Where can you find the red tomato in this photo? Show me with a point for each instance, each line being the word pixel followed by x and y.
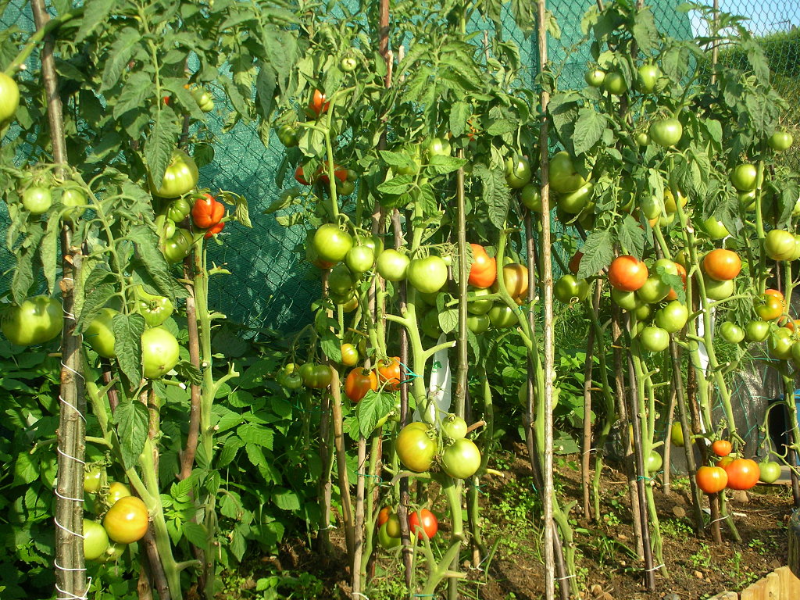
pixel 424 523
pixel 319 103
pixel 711 479
pixel 358 382
pixel 627 273
pixel 722 264
pixel 384 515
pixel 214 230
pixel 207 212
pixel 722 447
pixel 743 473
pixel 389 371
pixel 483 272
pixel 575 262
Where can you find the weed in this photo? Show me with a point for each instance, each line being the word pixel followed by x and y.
pixel 702 558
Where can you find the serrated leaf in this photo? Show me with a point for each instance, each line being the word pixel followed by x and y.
pixel 496 194
pixel 588 130
pixel 95 12
pixel 631 237
pixel 133 421
pixel 446 164
pixel 146 242
pixel 23 277
pixel 137 89
pixel 372 408
pixel 397 185
pixel 119 55
pixel 96 298
pixel 286 499
pixel 644 30
pixel 331 346
pixel 195 533
pixel 598 252
pixel 48 252
pixel 459 113
pixel 252 433
pixel 128 330
pixel 159 146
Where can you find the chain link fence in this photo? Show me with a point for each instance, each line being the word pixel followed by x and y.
pixel 271 286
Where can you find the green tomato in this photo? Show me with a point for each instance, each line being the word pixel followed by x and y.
pixel 478 324
pixel 392 265
pixel 653 290
pixel 359 259
pixel 37 320
pixel 205 101
pixel 654 462
pixel 769 471
pixel 715 228
pixel 154 309
pixel 646 78
pixel 626 300
pixel 743 177
pixel 428 274
pixel 595 77
pixel 176 248
pixel 564 179
pixel 95 540
pixel 719 290
pixel 518 172
pixel 503 317
pixel 430 324
pixel 651 206
pixel 461 459
pixel 672 317
pixel 288 135
pixel 654 339
pixel 642 139
pixel 779 344
pixel 666 132
pixel 614 83
pixel 731 332
pixel 780 141
pixel 570 289
pixel 756 331
pixel 160 352
pixel 531 197
pixel 180 177
pixel 178 210
pixel 780 244
pixel 386 541
pixel 37 199
pixel 438 147
pixel 454 427
pixel 331 243
pixel 476 304
pixel 75 201
pixel 574 202
pixel 100 333
pixel 341 281
pixel 9 97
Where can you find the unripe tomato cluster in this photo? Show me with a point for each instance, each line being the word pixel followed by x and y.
pixel 422 524
pixel 126 521
pixel 418 446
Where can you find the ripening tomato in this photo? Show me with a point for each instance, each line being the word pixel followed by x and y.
pixel 721 447
pixel 575 262
pixel 423 522
pixel 428 275
pixel 743 474
pixel 722 264
pixel 180 177
pixel 780 244
pixel 768 307
pixel 349 355
pixel 358 382
pixel 711 479
pixel 319 103
pixel 515 278
pixel 207 211
pixel 415 447
pixel 389 371
pixel 627 273
pixel 483 272
pixel 461 459
pixel 127 520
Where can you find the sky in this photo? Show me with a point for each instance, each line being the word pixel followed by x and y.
pixel 766 16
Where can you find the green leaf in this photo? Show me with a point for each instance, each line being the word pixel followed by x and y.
pixel 397 185
pixel 598 252
pixel 146 242
pixel 137 89
pixel 331 346
pixel 446 164
pixel 373 407
pixel 588 130
pixel 631 237
pixel 195 533
pixel 252 433
pixel 459 113
pixel 95 12
pixel 95 299
pixel 496 194
pixel 286 499
pixel 448 320
pixel 128 330
pixel 159 146
pixel 23 277
pixel 133 421
pixel 229 451
pixel 48 252
pixel 644 30
pixel 119 55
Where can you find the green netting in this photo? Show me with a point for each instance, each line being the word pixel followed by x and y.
pixel 270 286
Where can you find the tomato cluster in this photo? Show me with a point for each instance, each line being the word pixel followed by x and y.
pixel 126 521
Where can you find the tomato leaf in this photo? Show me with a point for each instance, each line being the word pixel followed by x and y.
pixel 134 94
pixel 195 533
pixel 331 346
pixel 397 185
pixel 496 194
pixel 448 320
pixel 446 164
pixel 128 331
pixel 588 130
pixel 373 407
pixel 159 146
pixel 146 242
pixel 95 299
pixel 95 12
pixel 459 113
pixel 119 55
pixel 597 253
pixel 23 277
pixel 631 236
pixel 133 420
pixel 644 30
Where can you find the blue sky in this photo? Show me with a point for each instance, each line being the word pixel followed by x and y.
pixel 766 16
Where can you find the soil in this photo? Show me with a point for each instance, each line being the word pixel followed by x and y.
pixel 607 567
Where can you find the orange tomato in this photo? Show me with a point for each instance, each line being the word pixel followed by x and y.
pixel 711 479
pixel 358 382
pixel 389 372
pixel 483 272
pixel 722 264
pixel 627 273
pixel 722 447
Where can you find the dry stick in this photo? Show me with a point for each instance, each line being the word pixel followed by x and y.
pixel 69 561
pixel 325 485
pixel 547 275
pixel 649 575
pixel 673 397
pixel 341 462
pixel 622 411
pixel 192 438
pixel 358 541
pixel 688 445
pixel 587 424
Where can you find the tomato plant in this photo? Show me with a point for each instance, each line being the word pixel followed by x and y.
pixel 92 479
pixel 780 244
pixel 9 97
pixel 423 522
pixel 415 448
pixel 358 382
pixel 614 83
pixel 731 332
pixel 127 520
pixel 515 278
pixel 756 331
pixel 180 177
pixel 672 317
pixel 319 104
pixel 647 77
pixel 654 339
pixel 454 427
pixel 768 307
pixel 517 171
pixel 160 352
pixel 627 273
pixel 711 479
pixel 570 289
pixel 37 320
